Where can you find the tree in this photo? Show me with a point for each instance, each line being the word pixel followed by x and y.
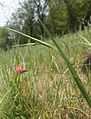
pixel 87 15
pixel 4 41
pixel 60 17
pixel 57 18
pixel 73 11
pixel 41 11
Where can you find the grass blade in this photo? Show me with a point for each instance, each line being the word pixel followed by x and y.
pixel 75 77
pixel 85 40
pixel 4 97
pixel 35 39
pixel 71 68
pixel 68 63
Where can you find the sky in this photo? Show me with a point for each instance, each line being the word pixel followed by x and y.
pixel 7 7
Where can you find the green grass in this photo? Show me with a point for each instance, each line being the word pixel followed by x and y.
pixel 47 90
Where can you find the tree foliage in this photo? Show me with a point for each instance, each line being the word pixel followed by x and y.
pixel 60 17
pixel 5 42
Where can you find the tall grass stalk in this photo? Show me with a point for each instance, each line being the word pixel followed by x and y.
pixel 68 63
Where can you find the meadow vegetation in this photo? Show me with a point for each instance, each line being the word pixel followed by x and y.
pixel 46 90
pixel 42 49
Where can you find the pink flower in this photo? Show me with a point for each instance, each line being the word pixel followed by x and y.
pixel 18 68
